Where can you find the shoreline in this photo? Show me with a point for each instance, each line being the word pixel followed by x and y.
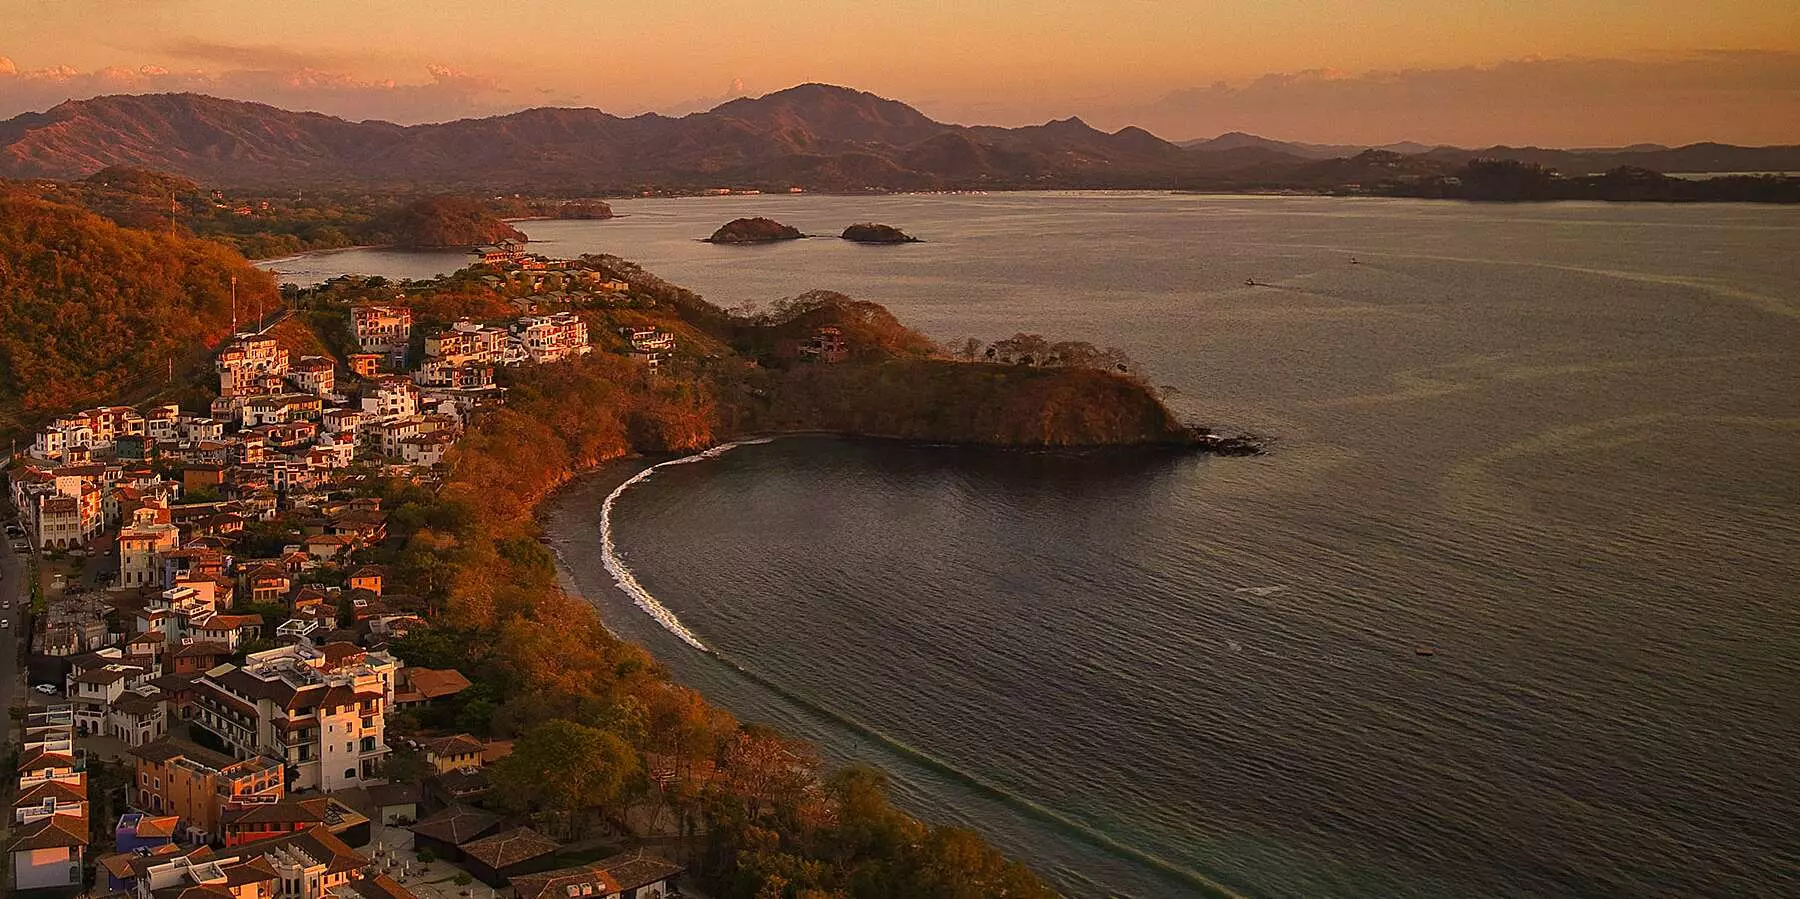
pixel 565 517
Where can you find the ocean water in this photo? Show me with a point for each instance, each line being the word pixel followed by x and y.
pixel 1557 445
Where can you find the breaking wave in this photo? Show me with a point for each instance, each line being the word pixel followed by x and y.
pixel 622 573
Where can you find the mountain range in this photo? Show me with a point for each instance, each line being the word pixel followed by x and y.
pixel 813 136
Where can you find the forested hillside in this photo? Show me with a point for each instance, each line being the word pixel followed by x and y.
pixel 90 310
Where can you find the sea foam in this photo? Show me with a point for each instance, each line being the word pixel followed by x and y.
pixel 622 573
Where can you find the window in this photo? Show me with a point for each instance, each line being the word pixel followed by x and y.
pixel 349 773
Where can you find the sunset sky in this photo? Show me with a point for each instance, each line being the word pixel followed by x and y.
pixel 1568 73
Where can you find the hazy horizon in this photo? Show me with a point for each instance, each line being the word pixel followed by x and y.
pixel 1594 73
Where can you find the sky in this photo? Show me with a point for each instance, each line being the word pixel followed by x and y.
pixel 1472 73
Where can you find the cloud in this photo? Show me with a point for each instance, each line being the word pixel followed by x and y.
pixel 1750 97
pixel 255 56
pixel 448 93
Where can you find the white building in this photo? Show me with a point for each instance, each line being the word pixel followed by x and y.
pixel 382 329
pixel 551 338
pixel 322 710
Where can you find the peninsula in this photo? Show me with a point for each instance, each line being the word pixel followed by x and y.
pixel 350 476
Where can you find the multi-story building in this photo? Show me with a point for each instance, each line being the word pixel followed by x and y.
pixel 142 544
pixel 98 680
pixel 321 710
pixel 316 375
pixel 63 434
pixel 551 338
pixel 59 522
pixel 383 330
pixel 467 341
pixel 49 837
pixel 163 422
pixel 306 864
pixel 390 397
pixel 200 429
pixel 175 777
pixel 338 421
pixel 445 374
pixel 427 448
pixel 365 365
pixel 250 364
pixel 279 409
pixel 648 345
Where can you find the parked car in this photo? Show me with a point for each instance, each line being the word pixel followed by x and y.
pixel 45 689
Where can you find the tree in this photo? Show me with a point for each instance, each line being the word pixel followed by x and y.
pixel 564 769
pixel 768 770
pixel 1024 349
pixel 405 767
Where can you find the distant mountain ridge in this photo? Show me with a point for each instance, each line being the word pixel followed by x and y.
pixel 813 136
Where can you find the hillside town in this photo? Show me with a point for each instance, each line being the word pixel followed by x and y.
pixel 211 625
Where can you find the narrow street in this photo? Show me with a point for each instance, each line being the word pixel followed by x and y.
pixel 15 591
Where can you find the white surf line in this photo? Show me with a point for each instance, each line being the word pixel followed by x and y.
pixel 622 574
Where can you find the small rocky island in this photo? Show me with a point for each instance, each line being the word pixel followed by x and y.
pixel 869 232
pixel 754 230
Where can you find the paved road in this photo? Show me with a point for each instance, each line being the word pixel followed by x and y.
pixel 14 590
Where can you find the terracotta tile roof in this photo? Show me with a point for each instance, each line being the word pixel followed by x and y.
pixel 50 789
pixel 168 748
pixel 383 795
pixel 288 811
pixel 463 784
pixel 457 824
pixel 434 683
pixel 454 745
pixel 157 827
pixel 637 868
pixel 336 654
pixel 40 759
pixel 174 683
pixel 118 865
pixel 317 842
pixel 232 621
pixel 135 704
pixel 510 847
pixel 55 831
pixel 201 648
pixel 254 870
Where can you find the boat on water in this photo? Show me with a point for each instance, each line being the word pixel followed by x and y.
pixel 1425 651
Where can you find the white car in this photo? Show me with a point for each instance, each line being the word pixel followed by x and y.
pixel 45 689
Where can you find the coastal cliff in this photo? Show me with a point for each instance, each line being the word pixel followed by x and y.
pixel 960 402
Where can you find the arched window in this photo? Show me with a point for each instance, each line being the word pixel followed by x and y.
pixel 349 773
